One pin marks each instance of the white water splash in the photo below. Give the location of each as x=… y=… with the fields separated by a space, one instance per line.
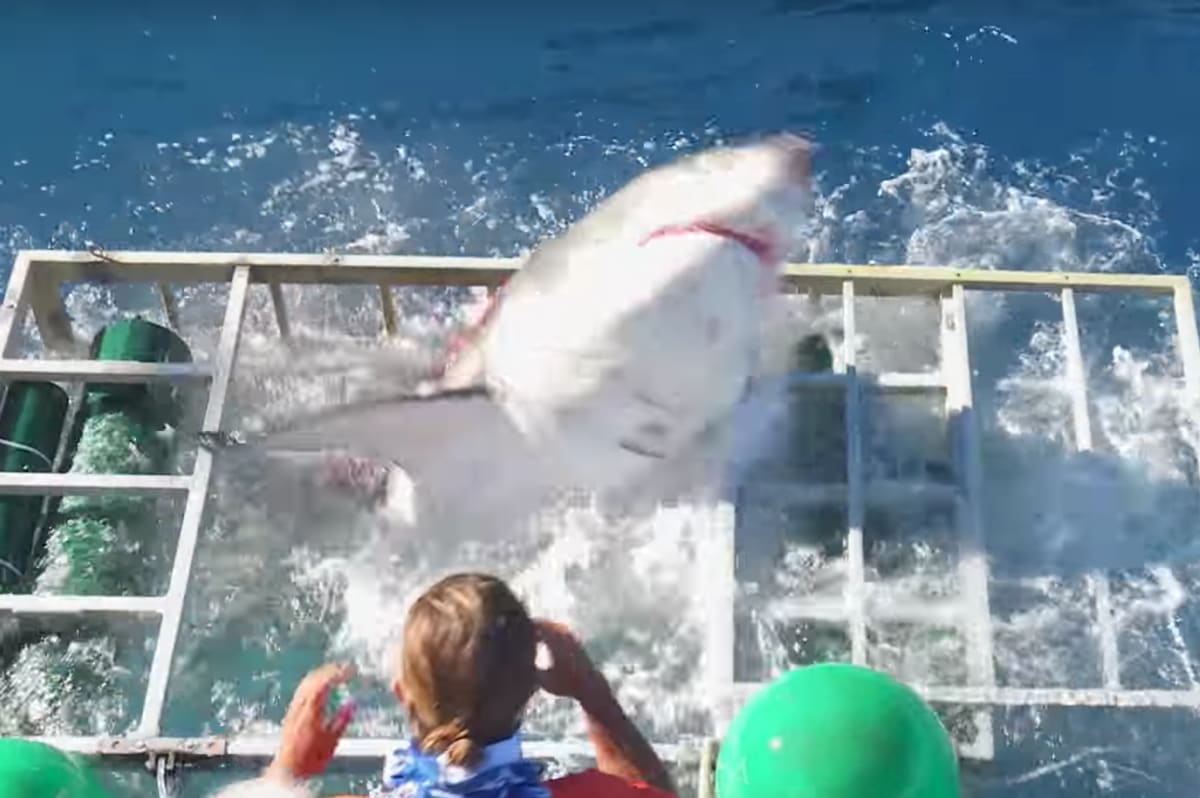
x=275 y=595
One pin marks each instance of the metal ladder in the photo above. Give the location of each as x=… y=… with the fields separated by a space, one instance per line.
x=855 y=611
x=970 y=611
x=34 y=286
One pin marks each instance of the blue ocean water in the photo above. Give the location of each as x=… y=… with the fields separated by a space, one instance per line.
x=1049 y=135
x=113 y=111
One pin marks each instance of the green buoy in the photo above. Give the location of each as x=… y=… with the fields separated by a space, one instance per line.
x=31 y=424
x=108 y=544
x=836 y=731
x=36 y=770
x=145 y=342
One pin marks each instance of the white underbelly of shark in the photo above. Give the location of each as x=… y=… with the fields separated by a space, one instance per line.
x=607 y=400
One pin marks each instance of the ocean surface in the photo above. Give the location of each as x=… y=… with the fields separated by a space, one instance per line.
x=1054 y=135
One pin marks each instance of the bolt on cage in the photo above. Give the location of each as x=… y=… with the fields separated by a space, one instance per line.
x=34 y=286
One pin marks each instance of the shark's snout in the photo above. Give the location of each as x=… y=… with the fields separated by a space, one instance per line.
x=798 y=151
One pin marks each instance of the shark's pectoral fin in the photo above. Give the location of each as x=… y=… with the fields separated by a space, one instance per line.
x=465 y=458
x=404 y=429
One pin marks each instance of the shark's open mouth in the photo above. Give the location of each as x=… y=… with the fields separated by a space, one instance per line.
x=763 y=248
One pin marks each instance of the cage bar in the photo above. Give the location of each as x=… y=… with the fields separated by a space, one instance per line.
x=716 y=550
x=34 y=286
x=855 y=505
x=972 y=568
x=170 y=307
x=279 y=306
x=19 y=604
x=1076 y=378
x=264 y=747
x=13 y=483
x=888 y=382
x=193 y=513
x=123 y=371
x=1189 y=339
x=875 y=491
x=973 y=695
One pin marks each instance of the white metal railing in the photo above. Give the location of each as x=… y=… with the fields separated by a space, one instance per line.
x=34 y=285
x=263 y=747
x=855 y=478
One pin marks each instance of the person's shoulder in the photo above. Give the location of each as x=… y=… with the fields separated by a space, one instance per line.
x=595 y=784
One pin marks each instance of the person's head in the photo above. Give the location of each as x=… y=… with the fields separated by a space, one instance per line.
x=466 y=668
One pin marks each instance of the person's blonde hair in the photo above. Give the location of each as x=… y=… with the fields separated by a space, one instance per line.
x=467 y=665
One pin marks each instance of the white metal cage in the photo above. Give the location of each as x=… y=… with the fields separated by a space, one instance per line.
x=34 y=286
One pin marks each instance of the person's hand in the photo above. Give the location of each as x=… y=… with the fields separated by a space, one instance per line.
x=620 y=749
x=570 y=672
x=307 y=740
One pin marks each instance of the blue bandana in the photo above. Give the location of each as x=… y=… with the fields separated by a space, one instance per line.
x=501 y=773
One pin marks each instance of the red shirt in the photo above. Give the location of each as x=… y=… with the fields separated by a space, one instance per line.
x=594 y=784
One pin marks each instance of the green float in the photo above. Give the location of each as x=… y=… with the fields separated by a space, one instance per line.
x=836 y=731
x=36 y=770
x=103 y=544
x=31 y=423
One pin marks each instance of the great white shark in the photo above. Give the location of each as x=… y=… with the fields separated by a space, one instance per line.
x=608 y=354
